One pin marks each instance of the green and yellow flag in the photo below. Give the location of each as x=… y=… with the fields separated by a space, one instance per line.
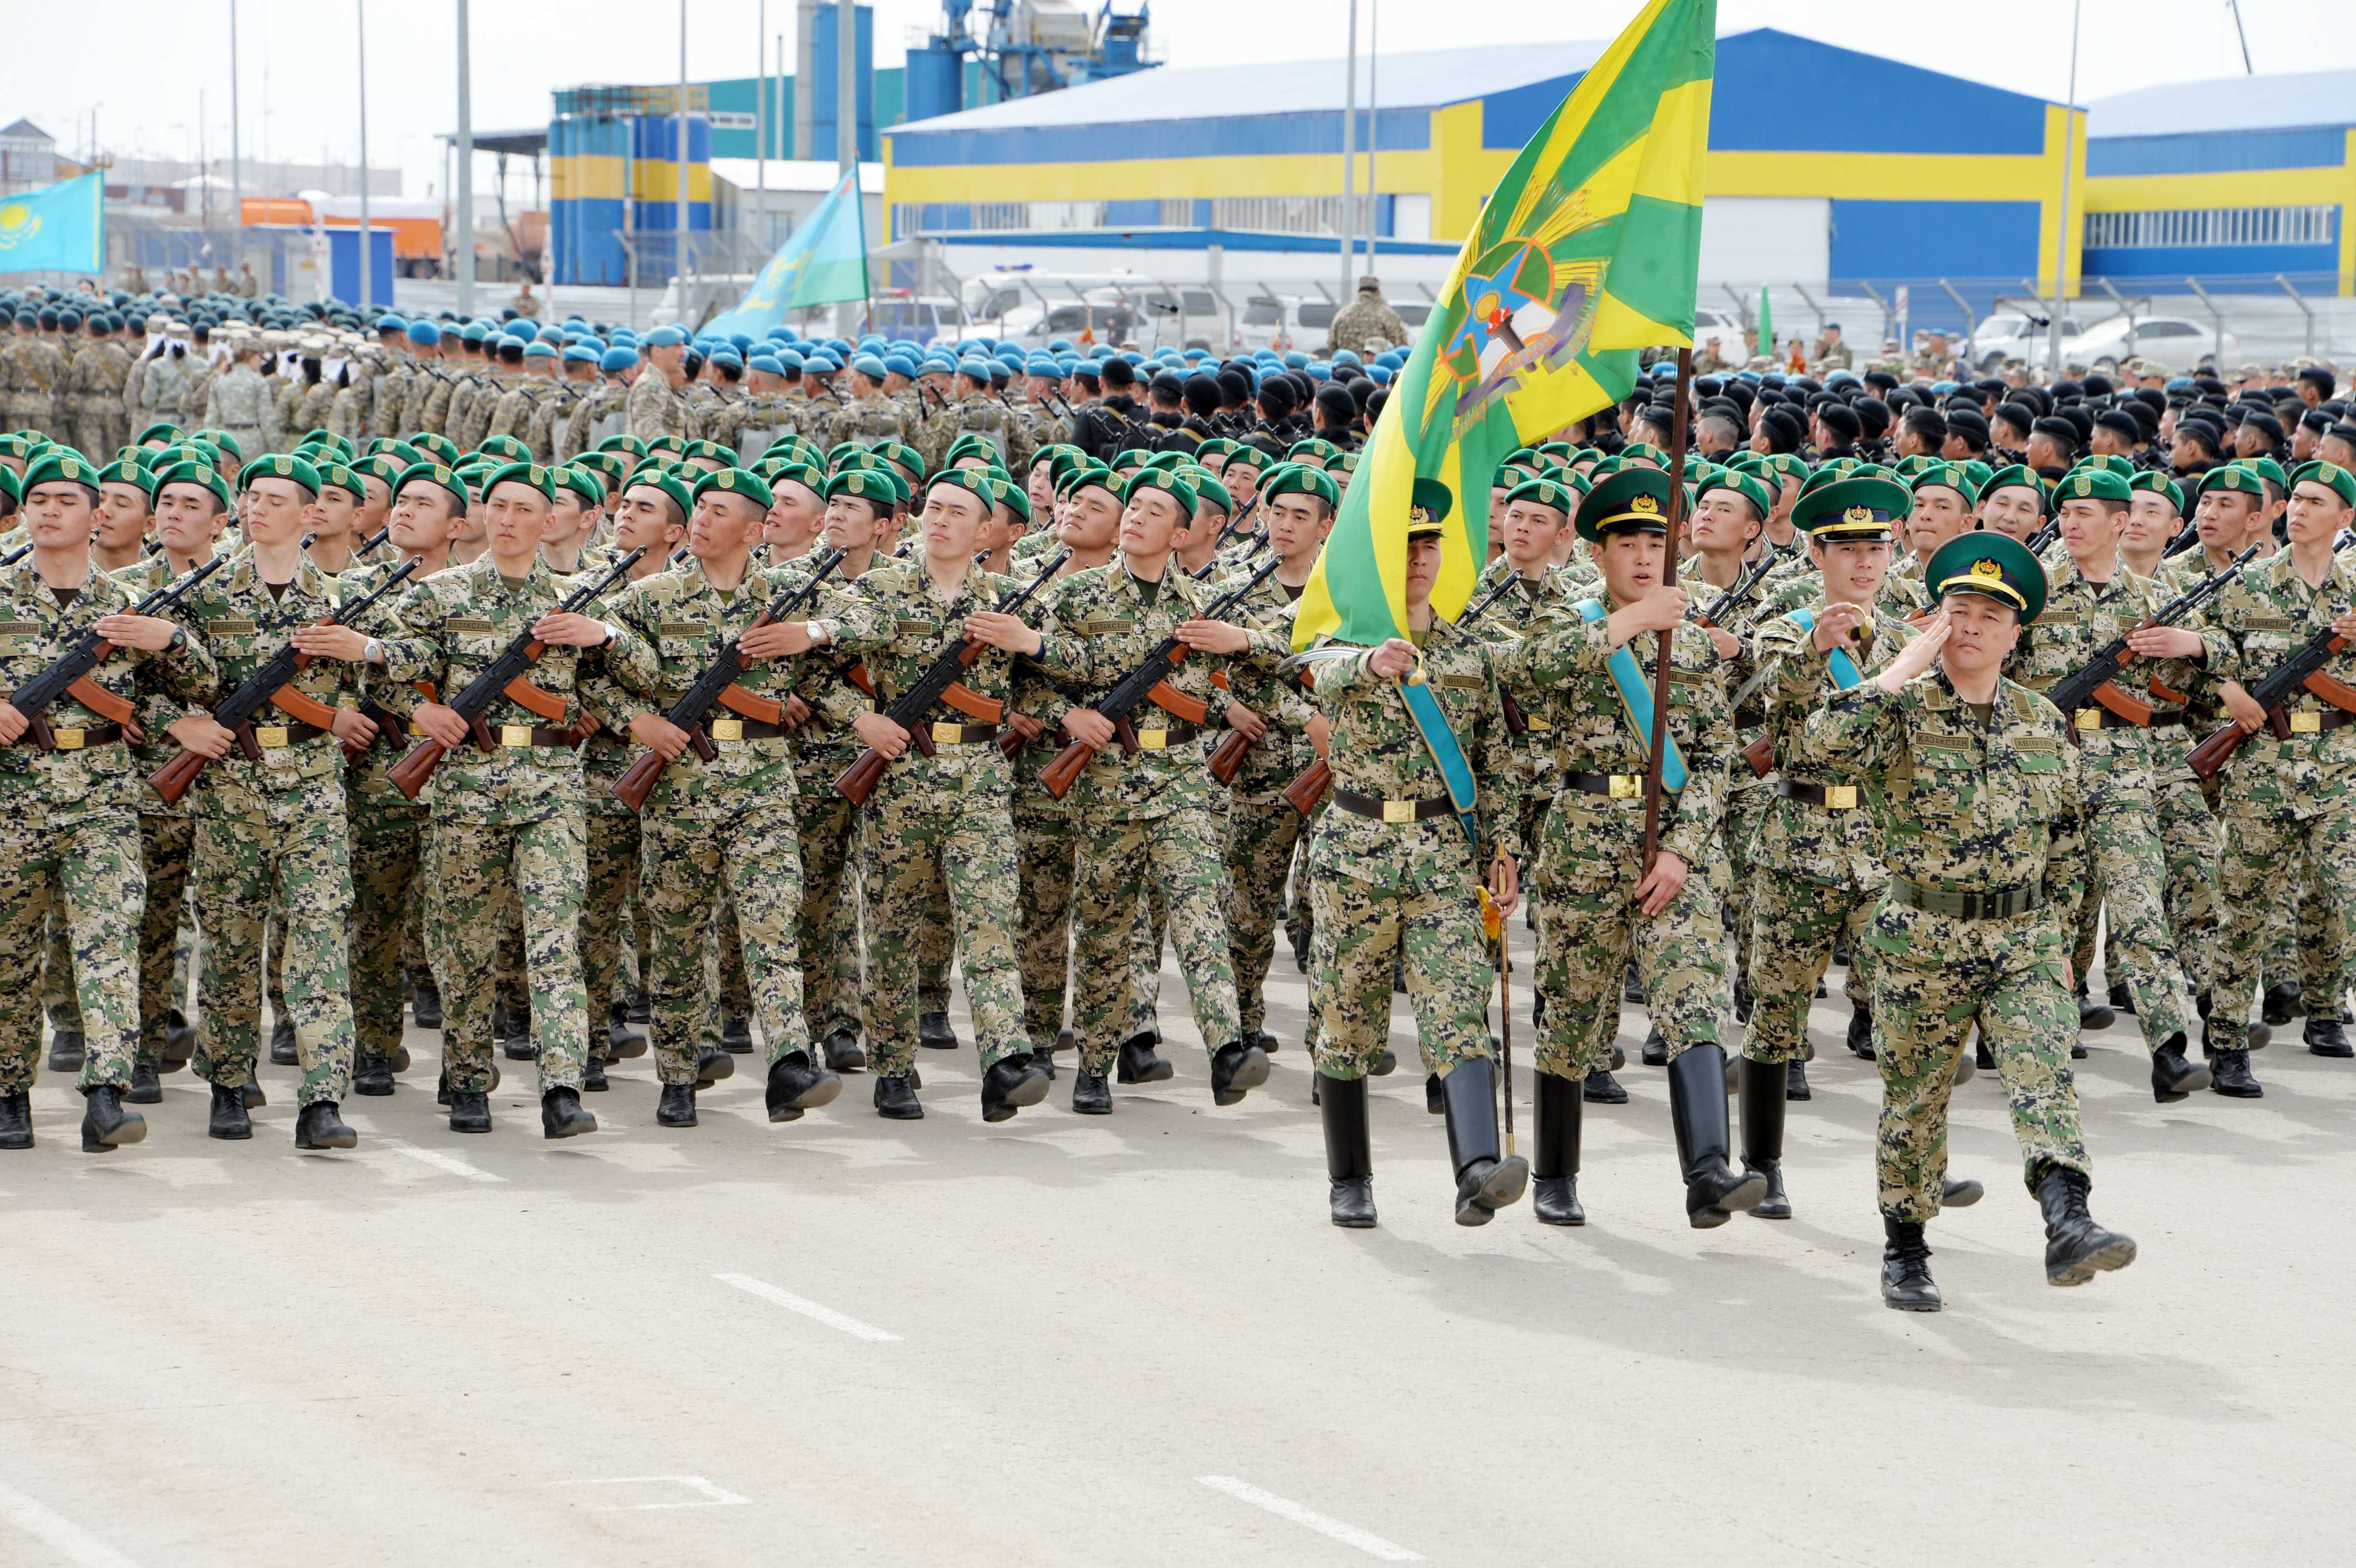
x=1586 y=252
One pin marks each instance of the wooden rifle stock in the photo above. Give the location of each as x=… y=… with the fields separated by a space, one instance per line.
x=1228 y=756
x=1303 y=792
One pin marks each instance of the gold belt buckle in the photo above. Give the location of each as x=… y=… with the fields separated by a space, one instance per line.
x=1153 y=740
x=70 y=740
x=1840 y=797
x=947 y=734
x=515 y=735
x=1535 y=725
x=1398 y=811
x=728 y=728
x=414 y=729
x=2089 y=719
x=1627 y=787
x=271 y=736
x=2307 y=723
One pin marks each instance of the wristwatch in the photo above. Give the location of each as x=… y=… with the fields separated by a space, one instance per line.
x=373 y=653
x=179 y=640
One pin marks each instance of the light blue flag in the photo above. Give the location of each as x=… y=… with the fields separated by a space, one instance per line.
x=824 y=262
x=56 y=228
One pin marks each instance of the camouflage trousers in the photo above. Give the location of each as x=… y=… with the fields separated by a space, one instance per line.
x=388 y=841
x=1147 y=938
x=1260 y=847
x=1746 y=808
x=1589 y=929
x=477 y=873
x=1936 y=976
x=1364 y=933
x=2127 y=870
x=89 y=868
x=828 y=828
x=612 y=889
x=921 y=852
x=1792 y=924
x=166 y=846
x=2265 y=857
x=1042 y=947
x=1175 y=851
x=2192 y=842
x=297 y=865
x=689 y=869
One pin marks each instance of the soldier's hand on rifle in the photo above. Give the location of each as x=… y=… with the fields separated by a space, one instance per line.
x=1000 y=630
x=2165 y=643
x=1246 y=723
x=1025 y=726
x=148 y=634
x=332 y=643
x=1837 y=627
x=1089 y=726
x=1658 y=611
x=886 y=737
x=658 y=734
x=354 y=727
x=1727 y=645
x=1320 y=730
x=2344 y=625
x=12 y=725
x=1505 y=885
x=2244 y=707
x=1213 y=636
x=1393 y=659
x=1661 y=883
x=1917 y=656
x=569 y=629
x=201 y=734
x=778 y=640
x=440 y=723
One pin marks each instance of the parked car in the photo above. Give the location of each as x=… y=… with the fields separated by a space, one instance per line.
x=920 y=318
x=1284 y=322
x=2168 y=341
x=2011 y=335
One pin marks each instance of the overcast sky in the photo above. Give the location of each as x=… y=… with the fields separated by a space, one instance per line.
x=142 y=64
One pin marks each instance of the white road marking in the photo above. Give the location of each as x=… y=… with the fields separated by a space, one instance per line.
x=710 y=1496
x=61 y=1534
x=448 y=1163
x=808 y=1308
x=1285 y=1507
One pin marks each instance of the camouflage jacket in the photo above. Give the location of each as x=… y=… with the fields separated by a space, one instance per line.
x=366 y=787
x=1364 y=317
x=239 y=402
x=1503 y=622
x=866 y=421
x=1562 y=664
x=759 y=421
x=428 y=402
x=242 y=627
x=1375 y=750
x=653 y=410
x=1968 y=806
x=1834 y=846
x=1099 y=627
x=2263 y=619
x=389 y=396
x=984 y=415
x=315 y=411
x=347 y=414
x=454 y=624
x=163 y=381
x=75 y=782
x=473 y=407
x=588 y=423
x=195 y=398
x=1276 y=759
x=553 y=417
x=154 y=748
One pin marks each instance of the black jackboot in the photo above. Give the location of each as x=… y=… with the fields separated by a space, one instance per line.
x=179 y=1040
x=1138 y=1062
x=518 y=1033
x=1010 y=1083
x=675 y=1107
x=1763 y=1085
x=105 y=1125
x=2280 y=1004
x=372 y=1075
x=316 y=1126
x=712 y=1065
x=2230 y=1076
x=229 y=1119
x=736 y=1037
x=1349 y=1156
x=842 y=1050
x=146 y=1086
x=1906 y=1282
x=2092 y=1015
x=624 y=1039
x=2173 y=1077
x=284 y=1052
x=561 y=1115
x=1486 y=1182
x=2076 y=1249
x=1860 y=1033
x=933 y=1032
x=1237 y=1068
x=1656 y=1049
x=895 y=1097
x=1554 y=1163
x=796 y=1086
x=1714 y=1192
x=1795 y=1082
x=424 y=1000
x=1602 y=1088
x=2326 y=1037
x=470 y=1112
x=15 y=1119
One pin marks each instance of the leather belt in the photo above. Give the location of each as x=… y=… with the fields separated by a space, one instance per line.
x=2101 y=719
x=71 y=739
x=1832 y=798
x=722 y=729
x=1392 y=810
x=1992 y=903
x=1168 y=738
x=2317 y=723
x=518 y=736
x=1619 y=787
x=963 y=734
x=271 y=737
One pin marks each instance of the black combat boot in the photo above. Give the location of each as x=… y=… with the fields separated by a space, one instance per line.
x=2230 y=1075
x=2281 y=1003
x=372 y=1075
x=252 y=1089
x=146 y=1086
x=2173 y=1077
x=1960 y=1193
x=561 y=1115
x=470 y=1112
x=794 y=1087
x=1632 y=988
x=1349 y=1152
x=229 y=1119
x=2076 y=1249
x=1714 y=1192
x=1262 y=1039
x=1656 y=1049
x=1795 y=1081
x=2328 y=1037
x=1763 y=1134
x=1433 y=1102
x=317 y=1126
x=2122 y=998
x=593 y=1076
x=1860 y=1033
x=1984 y=1059
x=284 y=1051
x=179 y=1040
x=15 y=1119
x=712 y=1065
x=1091 y=1093
x=1486 y=1182
x=895 y=1097
x=67 y=1051
x=624 y=1039
x=1137 y=1061
x=105 y=1125
x=1237 y=1068
x=1554 y=1164
x=933 y=1032
x=424 y=1000
x=736 y=1037
x=1602 y=1089
x=2092 y=1015
x=843 y=1051
x=519 y=1047
x=1385 y=1064
x=676 y=1105
x=1010 y=1083
x=1906 y=1282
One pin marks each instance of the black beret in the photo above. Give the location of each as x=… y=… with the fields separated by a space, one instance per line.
x=2267 y=423
x=1119 y=372
x=1873 y=414
x=2119 y=422
x=1277 y=393
x=2060 y=430
x=1841 y=419
x=1202 y=395
x=2099 y=387
x=1166 y=384
x=1234 y=386
x=1783 y=428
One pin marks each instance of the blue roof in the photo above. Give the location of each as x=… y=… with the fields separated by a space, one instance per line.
x=2231 y=104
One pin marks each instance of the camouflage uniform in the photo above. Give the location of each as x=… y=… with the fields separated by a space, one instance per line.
x=828 y=824
x=867 y=421
x=66 y=833
x=388 y=839
x=508 y=826
x=52 y=373
x=168 y=841
x=1263 y=830
x=27 y=405
x=389 y=394
x=163 y=381
x=1972 y=804
x=653 y=410
x=595 y=417
x=551 y=418
x=272 y=835
x=513 y=412
x=195 y=396
x=318 y=407
x=427 y=402
x=982 y=414
x=239 y=402
x=473 y=407
x=1364 y=317
x=1386 y=889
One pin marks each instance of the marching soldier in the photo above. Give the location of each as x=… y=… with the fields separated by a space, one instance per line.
x=655 y=409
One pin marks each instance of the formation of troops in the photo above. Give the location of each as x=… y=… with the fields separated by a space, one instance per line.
x=581 y=693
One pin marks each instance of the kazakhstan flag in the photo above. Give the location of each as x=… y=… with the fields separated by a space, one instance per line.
x=56 y=228
x=823 y=261
x=1586 y=251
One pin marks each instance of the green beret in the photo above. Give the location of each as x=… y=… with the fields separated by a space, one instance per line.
x=1551 y=493
x=1947 y=477
x=280 y=466
x=1636 y=450
x=1170 y=461
x=1311 y=446
x=671 y=446
x=970 y=441
x=901 y=453
x=202 y=474
x=2332 y=476
x=587 y=483
x=976 y=480
x=710 y=450
x=506 y=448
x=385 y=466
x=629 y=443
x=656 y=478
x=613 y=464
x=1627 y=500
x=1561 y=451
x=2018 y=476
x=1299 y=479
x=1994 y=565
x=735 y=482
x=807 y=476
x=2234 y=477
x=2123 y=466
x=2086 y=484
x=2267 y=469
x=879 y=486
x=167 y=433
x=224 y=442
x=19 y=443
x=328 y=439
x=60 y=463
x=1745 y=484
x=1009 y=494
x=1218 y=445
x=1860 y=508
x=1250 y=456
x=1342 y=462
x=2159 y=484
x=436 y=474
x=1086 y=473
x=1978 y=473
x=342 y=476
x=533 y=475
x=1908 y=468
x=1208 y=490
x=441 y=447
x=124 y=470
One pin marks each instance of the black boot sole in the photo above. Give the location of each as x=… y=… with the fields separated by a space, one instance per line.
x=2117 y=1254
x=1353 y=1218
x=345 y=1140
x=1549 y=1210
x=1501 y=1187
x=2180 y=1087
x=1738 y=1199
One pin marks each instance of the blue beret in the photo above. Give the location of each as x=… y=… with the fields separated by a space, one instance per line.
x=536 y=349
x=900 y=364
x=869 y=365
x=669 y=336
x=624 y=336
x=1346 y=356
x=791 y=358
x=618 y=358
x=725 y=354
x=1320 y=371
x=824 y=363
x=1379 y=374
x=580 y=354
x=1085 y=370
x=1296 y=360
x=766 y=363
x=871 y=340
x=975 y=367
x=1066 y=362
x=1061 y=346
x=781 y=334
x=475 y=332
x=549 y=335
x=741 y=340
x=1197 y=356
x=1041 y=364
x=424 y=334
x=389 y=321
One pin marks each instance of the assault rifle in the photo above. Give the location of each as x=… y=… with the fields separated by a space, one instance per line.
x=2037 y=541
x=2302 y=670
x=504 y=676
x=1745 y=587
x=272 y=686
x=22 y=550
x=2096 y=680
x=71 y=672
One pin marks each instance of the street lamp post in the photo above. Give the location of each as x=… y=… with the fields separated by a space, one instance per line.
x=359 y=23
x=465 y=243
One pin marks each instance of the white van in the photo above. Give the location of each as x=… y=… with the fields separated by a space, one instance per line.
x=1284 y=322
